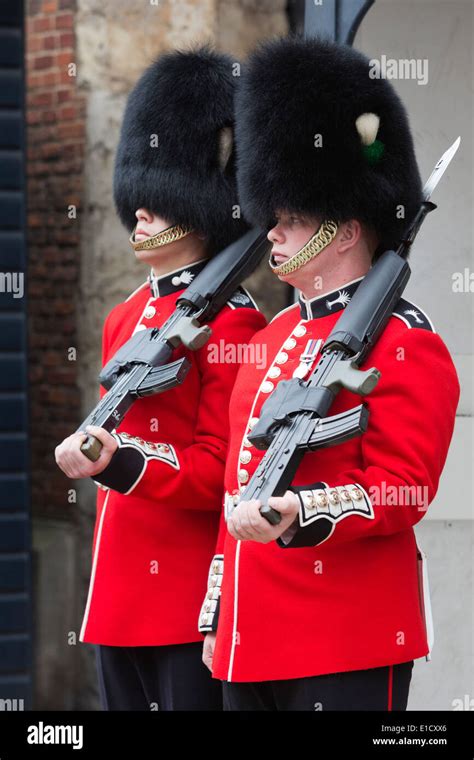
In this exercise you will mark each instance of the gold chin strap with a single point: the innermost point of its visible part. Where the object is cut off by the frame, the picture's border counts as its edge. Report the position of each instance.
(161, 238)
(321, 238)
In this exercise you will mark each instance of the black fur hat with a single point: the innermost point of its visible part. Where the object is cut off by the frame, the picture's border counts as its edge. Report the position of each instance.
(175, 152)
(298, 146)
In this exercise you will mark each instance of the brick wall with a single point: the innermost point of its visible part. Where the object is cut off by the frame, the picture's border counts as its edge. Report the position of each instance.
(56, 142)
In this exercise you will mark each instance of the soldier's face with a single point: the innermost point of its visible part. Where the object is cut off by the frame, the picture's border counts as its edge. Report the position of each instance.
(290, 234)
(148, 224)
(167, 257)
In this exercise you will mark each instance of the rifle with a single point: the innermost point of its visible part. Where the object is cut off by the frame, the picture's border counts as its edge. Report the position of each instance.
(142, 366)
(294, 418)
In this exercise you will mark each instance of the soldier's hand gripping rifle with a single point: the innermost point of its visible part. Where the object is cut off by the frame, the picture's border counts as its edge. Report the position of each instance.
(142, 366)
(294, 419)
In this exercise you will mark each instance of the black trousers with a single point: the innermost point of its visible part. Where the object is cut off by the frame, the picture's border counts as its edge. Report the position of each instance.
(156, 678)
(374, 689)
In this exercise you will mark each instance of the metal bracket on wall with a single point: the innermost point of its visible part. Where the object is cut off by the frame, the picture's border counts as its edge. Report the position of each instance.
(337, 20)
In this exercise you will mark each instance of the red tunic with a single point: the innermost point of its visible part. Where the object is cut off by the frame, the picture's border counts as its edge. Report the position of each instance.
(158, 512)
(354, 599)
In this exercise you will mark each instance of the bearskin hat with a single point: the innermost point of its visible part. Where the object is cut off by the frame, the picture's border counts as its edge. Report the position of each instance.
(316, 134)
(175, 153)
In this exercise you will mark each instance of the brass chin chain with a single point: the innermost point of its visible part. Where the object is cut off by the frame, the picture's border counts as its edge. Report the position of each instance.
(161, 238)
(321, 238)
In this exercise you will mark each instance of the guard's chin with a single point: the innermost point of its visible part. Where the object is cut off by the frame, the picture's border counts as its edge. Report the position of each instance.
(147, 254)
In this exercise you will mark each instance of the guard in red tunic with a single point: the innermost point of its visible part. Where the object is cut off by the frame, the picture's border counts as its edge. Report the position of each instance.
(160, 474)
(329, 609)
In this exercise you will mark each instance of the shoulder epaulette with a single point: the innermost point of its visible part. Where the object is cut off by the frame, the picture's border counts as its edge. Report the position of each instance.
(412, 315)
(241, 298)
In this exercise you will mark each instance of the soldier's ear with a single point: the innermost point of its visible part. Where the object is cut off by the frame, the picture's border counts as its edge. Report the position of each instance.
(349, 235)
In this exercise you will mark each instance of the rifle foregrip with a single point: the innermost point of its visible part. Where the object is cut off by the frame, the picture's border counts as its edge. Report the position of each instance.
(271, 515)
(91, 448)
